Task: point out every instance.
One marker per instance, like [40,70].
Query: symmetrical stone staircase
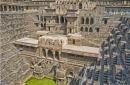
[113,65]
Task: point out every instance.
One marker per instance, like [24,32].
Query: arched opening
[71,73]
[80,5]
[5,8]
[41,25]
[70,30]
[49,29]
[50,54]
[57,19]
[81,29]
[44,19]
[82,20]
[37,17]
[90,30]
[9,8]
[62,19]
[73,41]
[86,29]
[91,21]
[13,8]
[44,52]
[87,20]
[57,55]
[97,29]
[105,21]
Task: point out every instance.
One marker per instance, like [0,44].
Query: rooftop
[78,50]
[81,50]
[27,42]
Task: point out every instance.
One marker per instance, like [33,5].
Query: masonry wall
[14,25]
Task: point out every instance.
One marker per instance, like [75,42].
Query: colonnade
[11,8]
[49,53]
[60,19]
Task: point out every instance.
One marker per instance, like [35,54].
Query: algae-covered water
[44,81]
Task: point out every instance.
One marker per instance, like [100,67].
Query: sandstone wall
[13,26]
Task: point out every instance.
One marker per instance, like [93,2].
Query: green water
[44,81]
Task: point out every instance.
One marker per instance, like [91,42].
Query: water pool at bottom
[44,81]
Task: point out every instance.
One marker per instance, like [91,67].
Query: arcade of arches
[87,20]
[86,29]
[51,53]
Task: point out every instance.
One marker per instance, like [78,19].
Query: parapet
[55,42]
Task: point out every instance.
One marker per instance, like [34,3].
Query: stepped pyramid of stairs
[113,65]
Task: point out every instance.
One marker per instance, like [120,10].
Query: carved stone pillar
[54,53]
[64,19]
[59,55]
[7,8]
[46,51]
[39,52]
[59,20]
[2,8]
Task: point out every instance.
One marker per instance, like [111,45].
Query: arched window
[62,19]
[86,29]
[91,21]
[5,8]
[87,20]
[50,54]
[97,29]
[80,5]
[9,8]
[57,55]
[49,29]
[73,41]
[105,21]
[81,29]
[13,8]
[90,30]
[37,17]
[41,25]
[82,20]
